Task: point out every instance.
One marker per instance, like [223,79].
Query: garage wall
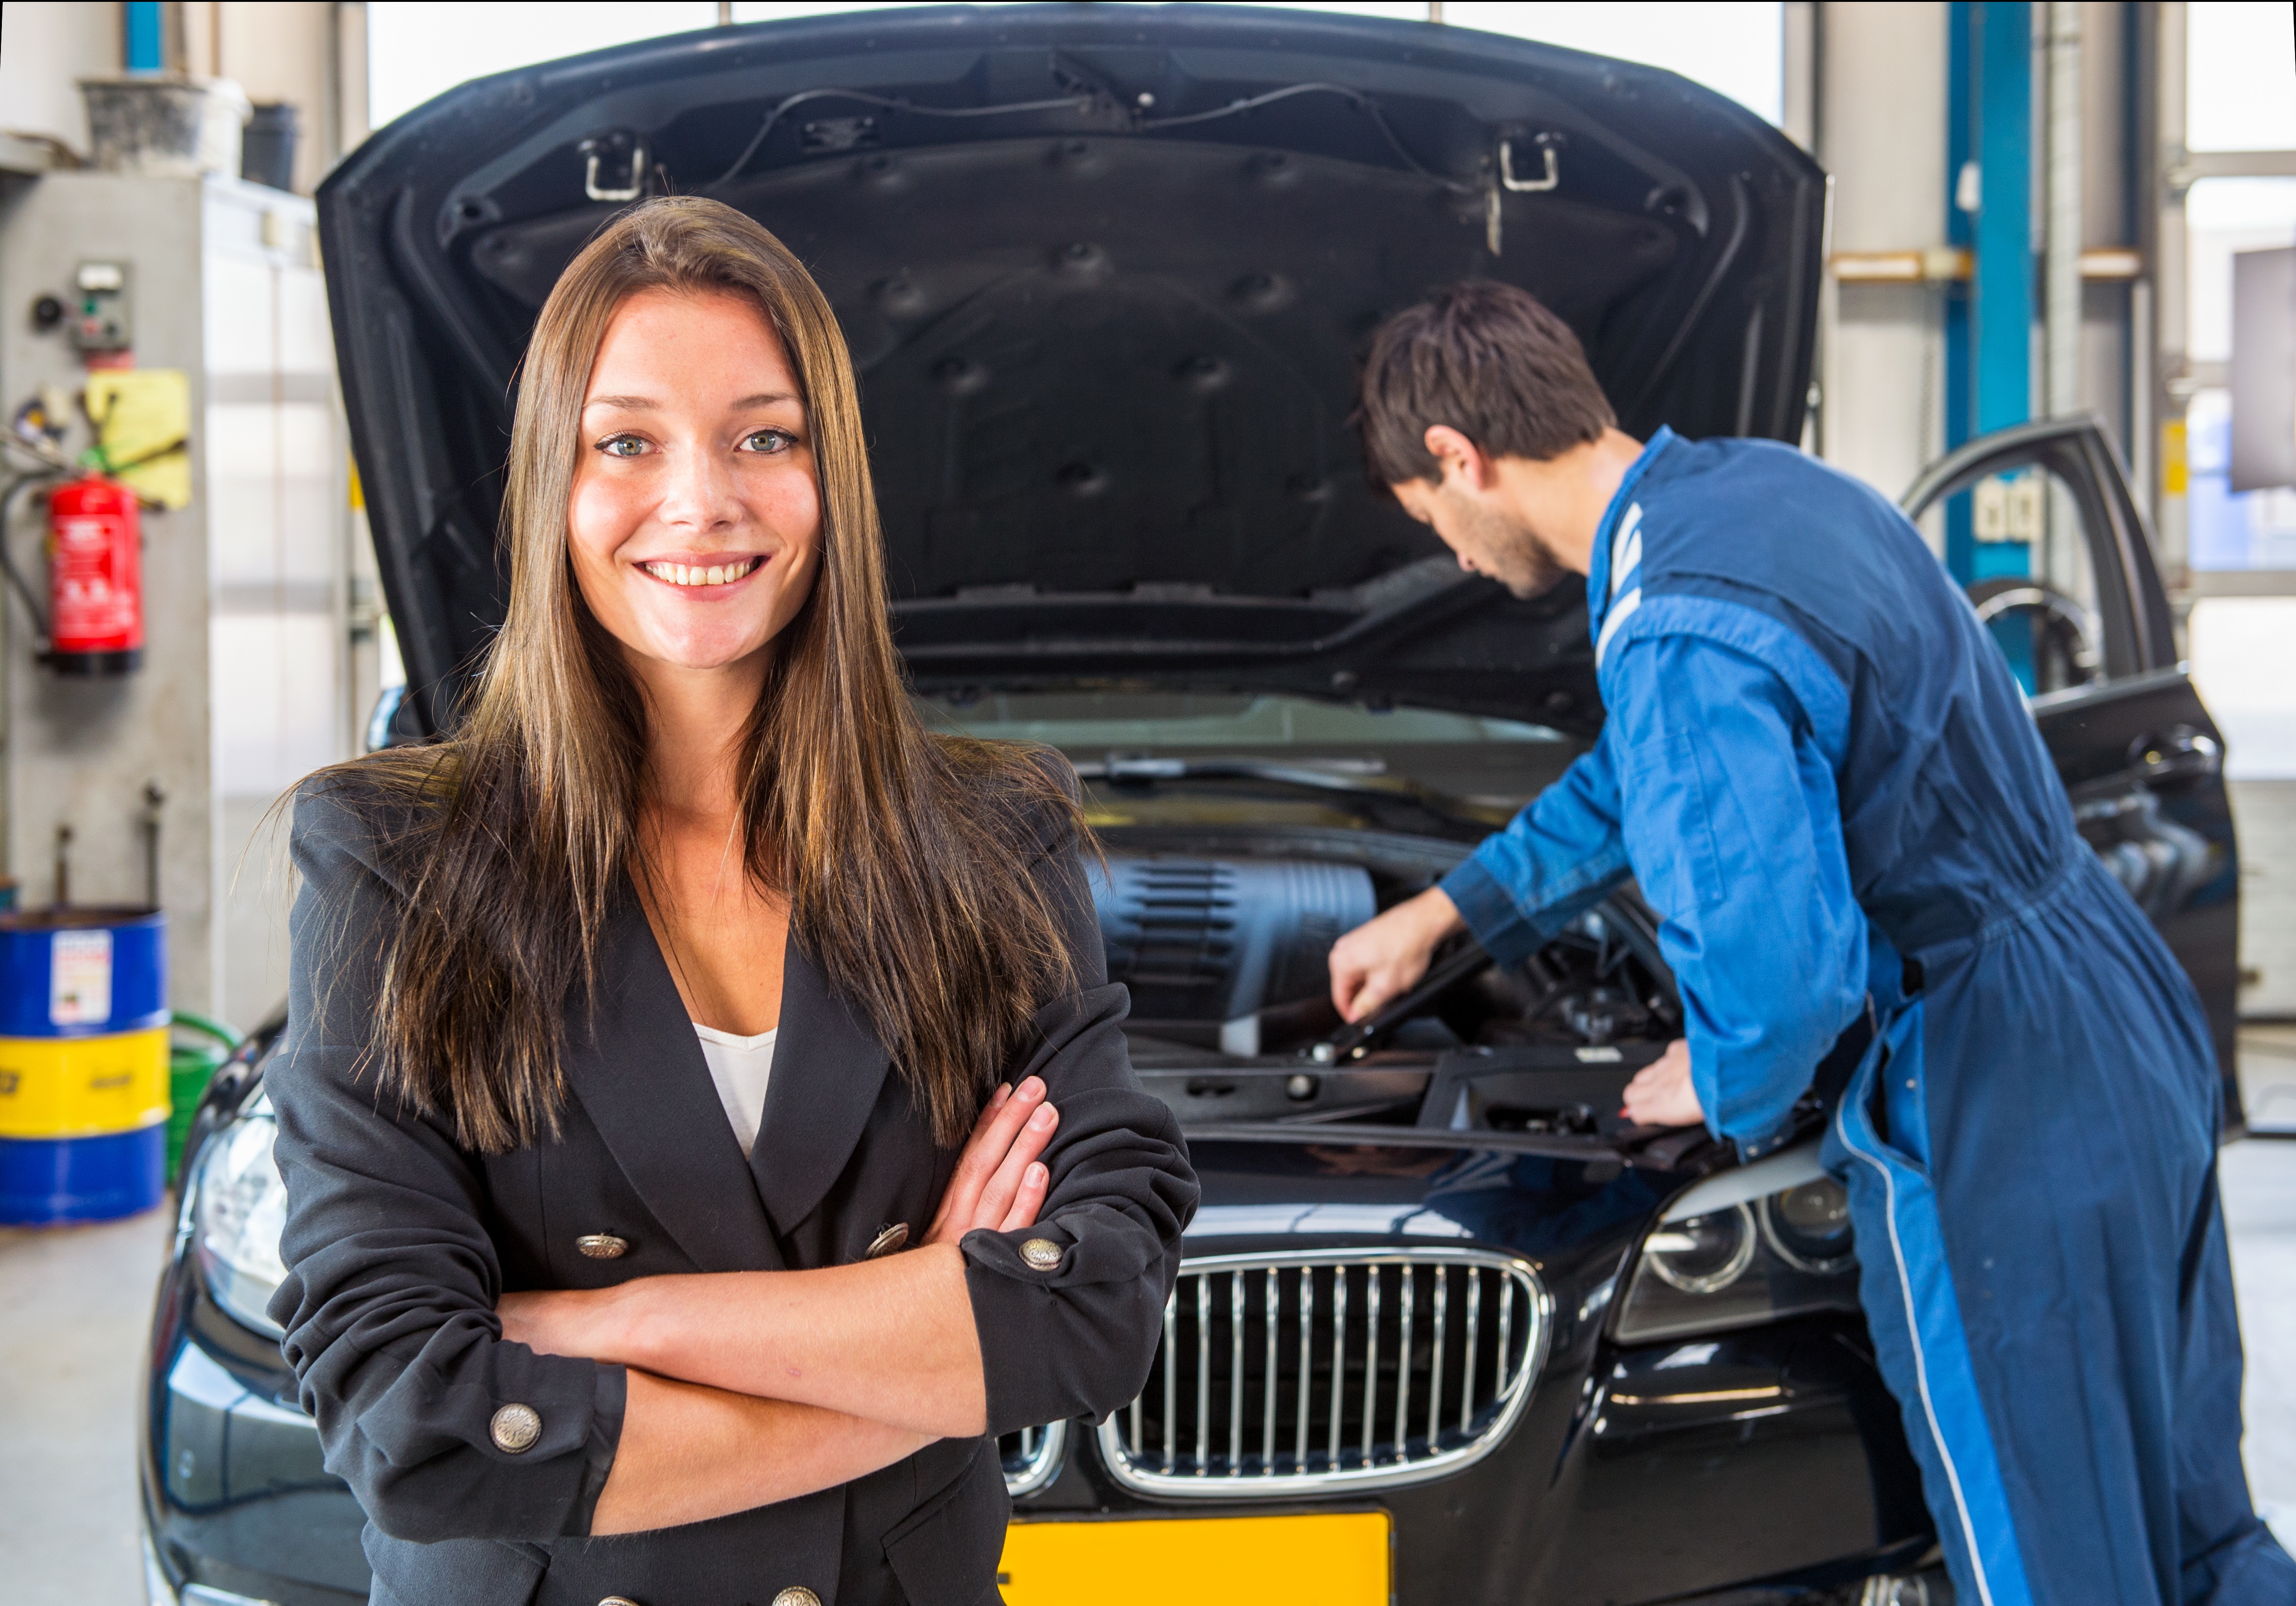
[51,45]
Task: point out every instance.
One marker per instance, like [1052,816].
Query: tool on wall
[155,800]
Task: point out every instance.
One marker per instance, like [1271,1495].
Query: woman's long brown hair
[906,856]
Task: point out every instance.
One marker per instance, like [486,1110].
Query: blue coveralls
[1817,765]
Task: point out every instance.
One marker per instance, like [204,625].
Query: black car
[1448,1331]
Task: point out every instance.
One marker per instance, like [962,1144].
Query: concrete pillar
[1878,123]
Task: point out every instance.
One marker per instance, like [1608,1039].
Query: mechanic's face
[1487,539]
[695,518]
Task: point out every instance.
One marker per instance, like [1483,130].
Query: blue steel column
[2001,309]
[1960,125]
[144,42]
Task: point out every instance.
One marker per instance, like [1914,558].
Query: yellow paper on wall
[143,419]
[2175,468]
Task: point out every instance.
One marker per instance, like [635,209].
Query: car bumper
[1621,1484]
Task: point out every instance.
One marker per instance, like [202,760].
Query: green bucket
[190,1067]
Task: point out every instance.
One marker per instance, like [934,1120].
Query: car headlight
[1739,1263]
[238,1208]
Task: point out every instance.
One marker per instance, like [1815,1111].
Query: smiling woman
[695,979]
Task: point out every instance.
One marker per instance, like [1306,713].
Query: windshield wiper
[1332,774]
[1357,777]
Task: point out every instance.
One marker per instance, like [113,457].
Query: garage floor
[74,1305]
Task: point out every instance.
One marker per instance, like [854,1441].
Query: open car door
[2090,636]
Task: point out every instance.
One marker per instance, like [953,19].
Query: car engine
[1227,959]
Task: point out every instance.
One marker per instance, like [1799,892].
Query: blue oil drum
[53,1181]
[83,999]
[66,973]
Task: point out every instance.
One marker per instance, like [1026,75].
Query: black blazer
[398,1241]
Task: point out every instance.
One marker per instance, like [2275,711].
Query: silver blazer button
[885,1242]
[796,1595]
[618,1599]
[515,1428]
[601,1246]
[1042,1254]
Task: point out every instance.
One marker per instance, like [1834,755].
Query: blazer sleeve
[389,1301]
[1077,1337]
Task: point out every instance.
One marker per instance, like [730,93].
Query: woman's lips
[704,573]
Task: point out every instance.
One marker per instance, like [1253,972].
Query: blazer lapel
[638,1070]
[828,1069]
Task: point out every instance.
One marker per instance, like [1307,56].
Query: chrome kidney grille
[1284,1373]
[1031,1457]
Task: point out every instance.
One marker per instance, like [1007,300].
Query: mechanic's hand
[999,1184]
[1661,1095]
[1382,958]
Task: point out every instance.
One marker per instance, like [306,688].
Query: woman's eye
[622,446]
[767,440]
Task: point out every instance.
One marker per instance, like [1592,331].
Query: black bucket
[267,150]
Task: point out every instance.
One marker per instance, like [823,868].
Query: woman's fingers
[991,1138]
[997,1198]
[1028,1201]
[1001,1124]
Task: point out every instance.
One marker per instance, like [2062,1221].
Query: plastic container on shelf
[83,1063]
[267,149]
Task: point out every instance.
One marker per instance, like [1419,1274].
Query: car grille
[1031,1457]
[1289,1372]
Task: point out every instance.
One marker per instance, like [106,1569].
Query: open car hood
[1106,272]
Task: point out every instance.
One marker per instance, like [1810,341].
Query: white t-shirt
[740,1067]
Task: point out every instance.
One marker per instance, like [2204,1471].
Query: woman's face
[695,521]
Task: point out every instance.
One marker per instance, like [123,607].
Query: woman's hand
[998,1183]
[1661,1094]
[564,1321]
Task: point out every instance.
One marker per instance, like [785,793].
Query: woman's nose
[699,491]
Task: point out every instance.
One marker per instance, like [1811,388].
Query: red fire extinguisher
[95,579]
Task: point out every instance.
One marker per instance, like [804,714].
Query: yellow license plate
[1336,1560]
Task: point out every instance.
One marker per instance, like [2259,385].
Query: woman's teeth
[695,574]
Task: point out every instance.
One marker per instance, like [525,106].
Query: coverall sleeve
[1733,829]
[1562,852]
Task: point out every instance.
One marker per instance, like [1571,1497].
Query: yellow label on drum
[1333,1559]
[83,1086]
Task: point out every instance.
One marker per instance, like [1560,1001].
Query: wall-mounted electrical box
[100,319]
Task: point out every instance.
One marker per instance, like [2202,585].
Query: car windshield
[1096,722]
[1489,763]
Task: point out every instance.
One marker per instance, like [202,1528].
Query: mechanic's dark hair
[1488,360]
[908,858]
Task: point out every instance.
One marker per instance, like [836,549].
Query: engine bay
[1224,944]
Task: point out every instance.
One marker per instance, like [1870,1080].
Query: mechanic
[1821,772]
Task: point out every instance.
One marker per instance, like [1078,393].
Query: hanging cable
[1084,103]
[1354,97]
[21,483]
[1079,103]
